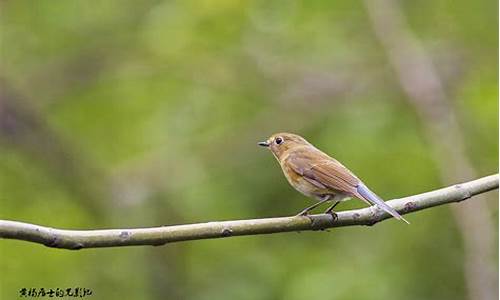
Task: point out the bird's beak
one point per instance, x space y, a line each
263 144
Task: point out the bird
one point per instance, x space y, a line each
315 174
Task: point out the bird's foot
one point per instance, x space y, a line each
303 213
332 213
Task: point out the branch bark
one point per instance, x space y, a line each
156 236
425 91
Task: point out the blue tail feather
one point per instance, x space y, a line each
371 197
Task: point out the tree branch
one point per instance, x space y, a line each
78 239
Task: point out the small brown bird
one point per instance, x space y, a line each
315 174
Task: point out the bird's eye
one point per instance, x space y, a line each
279 140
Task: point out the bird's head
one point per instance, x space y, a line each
280 143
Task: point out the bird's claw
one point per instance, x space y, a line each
303 213
333 214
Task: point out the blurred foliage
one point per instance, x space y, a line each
144 113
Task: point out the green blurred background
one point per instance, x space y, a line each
117 114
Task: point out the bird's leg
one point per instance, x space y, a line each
307 209
330 209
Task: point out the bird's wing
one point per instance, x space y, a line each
320 168
324 170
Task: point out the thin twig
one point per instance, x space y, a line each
78 239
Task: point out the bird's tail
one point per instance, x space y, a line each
371 197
